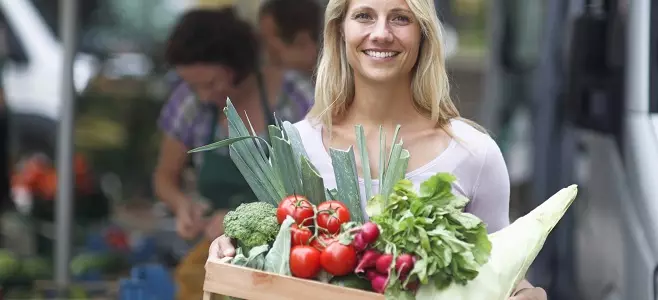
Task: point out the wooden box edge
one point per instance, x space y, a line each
246 283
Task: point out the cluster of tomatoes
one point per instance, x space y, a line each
39 176
315 237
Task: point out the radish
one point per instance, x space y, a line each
368 260
372 274
379 284
384 263
358 243
404 264
370 232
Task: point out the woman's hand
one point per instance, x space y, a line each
535 293
189 219
215 227
220 248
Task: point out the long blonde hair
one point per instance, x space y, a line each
335 81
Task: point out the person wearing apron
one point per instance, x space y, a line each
216 55
221 184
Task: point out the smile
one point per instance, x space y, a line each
381 54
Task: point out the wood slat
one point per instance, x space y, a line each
245 283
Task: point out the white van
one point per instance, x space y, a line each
595 123
32 75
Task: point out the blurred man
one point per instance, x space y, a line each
291 30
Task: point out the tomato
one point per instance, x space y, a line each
338 259
298 207
47 186
300 235
323 240
304 261
332 214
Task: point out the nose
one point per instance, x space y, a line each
381 32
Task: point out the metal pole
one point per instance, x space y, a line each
65 144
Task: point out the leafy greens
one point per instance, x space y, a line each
450 245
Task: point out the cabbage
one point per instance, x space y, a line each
514 248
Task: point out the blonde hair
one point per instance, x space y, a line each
335 81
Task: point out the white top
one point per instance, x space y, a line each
473 157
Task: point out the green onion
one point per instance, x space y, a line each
347 181
365 161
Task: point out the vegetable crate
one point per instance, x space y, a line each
305 240
246 283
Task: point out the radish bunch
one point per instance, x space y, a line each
375 265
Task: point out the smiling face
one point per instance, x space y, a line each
382 39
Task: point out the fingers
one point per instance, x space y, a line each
530 294
214 254
225 246
187 227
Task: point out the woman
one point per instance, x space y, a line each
383 64
216 55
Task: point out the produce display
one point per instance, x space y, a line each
408 243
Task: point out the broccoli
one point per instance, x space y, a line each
252 224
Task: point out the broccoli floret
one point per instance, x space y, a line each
252 224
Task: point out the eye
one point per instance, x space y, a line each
402 19
361 16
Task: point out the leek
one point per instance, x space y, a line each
514 248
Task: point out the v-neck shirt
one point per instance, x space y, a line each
472 156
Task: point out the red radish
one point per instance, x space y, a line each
370 232
379 284
404 264
358 243
384 263
372 273
368 260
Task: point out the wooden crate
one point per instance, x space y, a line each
245 283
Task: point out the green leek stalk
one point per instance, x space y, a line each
514 248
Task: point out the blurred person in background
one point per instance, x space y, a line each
290 31
216 54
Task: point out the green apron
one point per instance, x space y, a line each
220 181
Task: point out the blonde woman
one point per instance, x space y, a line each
383 64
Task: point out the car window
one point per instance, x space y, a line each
12 48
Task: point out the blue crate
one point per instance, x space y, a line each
148 282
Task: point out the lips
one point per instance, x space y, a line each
381 54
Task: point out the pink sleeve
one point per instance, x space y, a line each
491 191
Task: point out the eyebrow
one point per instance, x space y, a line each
394 10
401 10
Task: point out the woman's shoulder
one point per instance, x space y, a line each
181 114
307 127
473 138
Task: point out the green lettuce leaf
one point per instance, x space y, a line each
278 259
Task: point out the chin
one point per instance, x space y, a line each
381 76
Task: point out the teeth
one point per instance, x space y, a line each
380 54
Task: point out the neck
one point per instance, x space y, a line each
382 104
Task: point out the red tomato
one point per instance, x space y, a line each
304 261
338 259
300 235
332 214
323 240
47 187
298 207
